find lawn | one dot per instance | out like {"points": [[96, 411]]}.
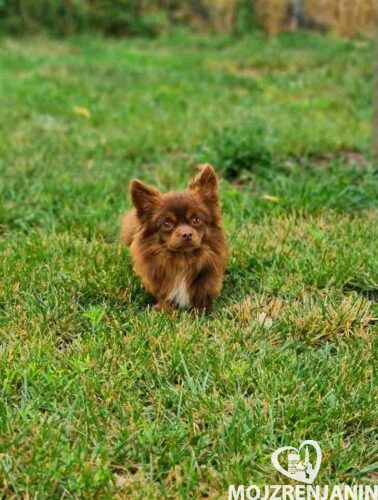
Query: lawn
{"points": [[100, 394]]}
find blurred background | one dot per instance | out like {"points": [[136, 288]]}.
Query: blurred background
{"points": [[155, 17]]}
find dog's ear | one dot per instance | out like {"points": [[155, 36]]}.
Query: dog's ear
{"points": [[206, 184], [145, 198]]}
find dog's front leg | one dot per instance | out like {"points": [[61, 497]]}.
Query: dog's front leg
{"points": [[205, 288]]}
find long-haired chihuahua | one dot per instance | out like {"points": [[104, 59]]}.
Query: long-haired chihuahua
{"points": [[177, 242]]}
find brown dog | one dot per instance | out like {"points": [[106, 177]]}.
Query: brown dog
{"points": [[177, 242]]}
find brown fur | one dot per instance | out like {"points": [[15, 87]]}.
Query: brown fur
{"points": [[177, 242]]}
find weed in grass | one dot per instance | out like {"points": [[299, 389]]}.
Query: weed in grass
{"points": [[241, 150]]}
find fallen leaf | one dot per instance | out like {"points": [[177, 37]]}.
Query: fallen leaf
{"points": [[81, 111], [264, 320], [120, 480], [270, 197]]}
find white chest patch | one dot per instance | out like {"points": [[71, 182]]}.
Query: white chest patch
{"points": [[179, 294]]}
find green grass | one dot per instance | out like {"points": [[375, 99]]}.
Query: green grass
{"points": [[102, 395]]}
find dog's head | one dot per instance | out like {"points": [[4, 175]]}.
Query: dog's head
{"points": [[182, 221]]}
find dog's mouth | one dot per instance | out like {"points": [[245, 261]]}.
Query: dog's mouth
{"points": [[186, 247]]}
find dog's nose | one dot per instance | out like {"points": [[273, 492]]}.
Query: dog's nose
{"points": [[186, 235]]}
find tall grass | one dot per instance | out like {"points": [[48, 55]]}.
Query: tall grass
{"points": [[63, 17], [273, 15], [151, 17], [223, 13], [346, 17]]}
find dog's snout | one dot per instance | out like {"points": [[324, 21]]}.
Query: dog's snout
{"points": [[186, 235]]}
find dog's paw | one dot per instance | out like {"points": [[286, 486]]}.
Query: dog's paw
{"points": [[165, 307]]}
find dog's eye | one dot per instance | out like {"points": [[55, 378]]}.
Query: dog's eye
{"points": [[196, 221], [168, 225]]}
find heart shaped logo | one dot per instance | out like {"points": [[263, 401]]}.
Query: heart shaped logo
{"points": [[302, 470]]}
